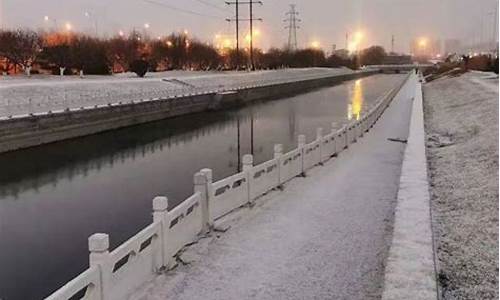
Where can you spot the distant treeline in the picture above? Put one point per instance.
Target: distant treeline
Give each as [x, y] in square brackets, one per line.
[70, 53]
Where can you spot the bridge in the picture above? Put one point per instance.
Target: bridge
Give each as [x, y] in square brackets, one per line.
[399, 68]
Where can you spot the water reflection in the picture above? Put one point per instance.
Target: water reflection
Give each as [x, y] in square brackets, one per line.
[53, 197]
[357, 98]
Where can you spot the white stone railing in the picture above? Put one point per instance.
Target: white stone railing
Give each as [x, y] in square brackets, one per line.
[113, 275]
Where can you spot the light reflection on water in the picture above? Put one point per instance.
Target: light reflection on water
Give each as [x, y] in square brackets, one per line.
[355, 107]
[53, 197]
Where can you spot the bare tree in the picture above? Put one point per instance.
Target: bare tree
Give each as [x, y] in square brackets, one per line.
[20, 47]
[123, 51]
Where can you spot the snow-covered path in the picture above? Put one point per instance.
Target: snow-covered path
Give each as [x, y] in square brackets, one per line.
[326, 236]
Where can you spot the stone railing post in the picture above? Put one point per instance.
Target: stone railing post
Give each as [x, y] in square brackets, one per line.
[209, 174]
[335, 128]
[247, 167]
[247, 162]
[301, 143]
[346, 130]
[160, 214]
[201, 185]
[99, 257]
[319, 138]
[278, 150]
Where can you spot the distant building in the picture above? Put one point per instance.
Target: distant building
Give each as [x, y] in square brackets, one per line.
[452, 46]
[343, 53]
[395, 59]
[425, 47]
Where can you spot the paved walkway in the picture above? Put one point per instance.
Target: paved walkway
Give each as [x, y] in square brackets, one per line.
[325, 236]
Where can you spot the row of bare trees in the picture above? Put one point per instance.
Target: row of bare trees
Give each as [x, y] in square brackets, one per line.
[68, 53]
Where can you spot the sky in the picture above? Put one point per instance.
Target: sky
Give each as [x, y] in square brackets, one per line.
[323, 21]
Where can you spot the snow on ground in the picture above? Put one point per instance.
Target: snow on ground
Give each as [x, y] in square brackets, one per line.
[462, 145]
[41, 93]
[326, 236]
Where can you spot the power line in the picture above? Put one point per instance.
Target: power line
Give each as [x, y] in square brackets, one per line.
[187, 11]
[292, 27]
[212, 5]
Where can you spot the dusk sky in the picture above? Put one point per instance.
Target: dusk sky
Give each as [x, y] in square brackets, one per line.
[326, 21]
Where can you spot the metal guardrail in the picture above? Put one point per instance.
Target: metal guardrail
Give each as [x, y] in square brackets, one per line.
[113, 275]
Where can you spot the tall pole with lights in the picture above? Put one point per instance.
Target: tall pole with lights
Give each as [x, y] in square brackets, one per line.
[237, 20]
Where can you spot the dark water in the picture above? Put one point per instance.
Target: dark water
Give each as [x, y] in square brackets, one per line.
[53, 197]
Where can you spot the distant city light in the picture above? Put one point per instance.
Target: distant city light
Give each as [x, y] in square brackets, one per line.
[422, 42]
[121, 33]
[169, 43]
[315, 44]
[186, 32]
[227, 43]
[146, 25]
[46, 18]
[68, 26]
[358, 36]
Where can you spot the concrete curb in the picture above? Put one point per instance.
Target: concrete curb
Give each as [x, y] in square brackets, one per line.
[410, 271]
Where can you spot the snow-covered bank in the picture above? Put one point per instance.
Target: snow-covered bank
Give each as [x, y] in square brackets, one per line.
[462, 144]
[410, 271]
[41, 93]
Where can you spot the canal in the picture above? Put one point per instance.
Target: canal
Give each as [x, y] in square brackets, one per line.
[53, 197]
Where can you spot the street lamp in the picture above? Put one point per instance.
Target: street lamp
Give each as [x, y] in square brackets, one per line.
[315, 44]
[47, 19]
[68, 26]
[89, 16]
[146, 25]
[422, 43]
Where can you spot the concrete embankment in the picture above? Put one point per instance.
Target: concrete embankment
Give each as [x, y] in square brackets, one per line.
[43, 128]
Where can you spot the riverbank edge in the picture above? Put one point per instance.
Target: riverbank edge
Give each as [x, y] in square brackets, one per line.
[410, 271]
[38, 129]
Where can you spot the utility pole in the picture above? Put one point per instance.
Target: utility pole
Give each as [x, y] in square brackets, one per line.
[237, 20]
[392, 43]
[292, 27]
[495, 33]
[347, 40]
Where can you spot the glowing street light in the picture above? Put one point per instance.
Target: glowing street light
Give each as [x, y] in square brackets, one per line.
[146, 25]
[248, 38]
[227, 43]
[315, 44]
[186, 32]
[358, 35]
[121, 33]
[169, 43]
[47, 19]
[422, 42]
[68, 26]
